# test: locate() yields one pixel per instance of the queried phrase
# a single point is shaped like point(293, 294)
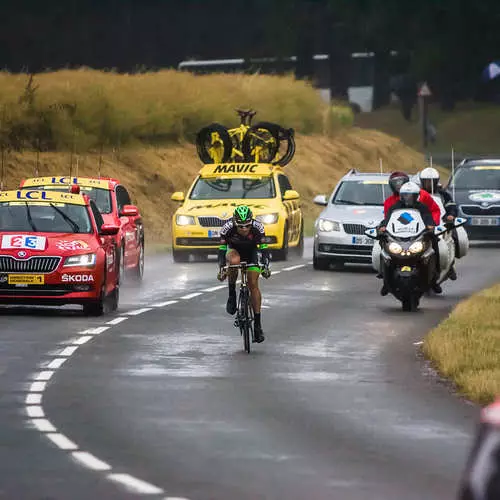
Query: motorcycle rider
point(409, 194)
point(429, 181)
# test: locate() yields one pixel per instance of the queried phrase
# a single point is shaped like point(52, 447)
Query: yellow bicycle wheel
point(214, 144)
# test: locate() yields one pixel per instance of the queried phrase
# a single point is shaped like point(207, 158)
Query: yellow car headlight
point(416, 247)
point(184, 220)
point(267, 218)
point(395, 248)
point(327, 226)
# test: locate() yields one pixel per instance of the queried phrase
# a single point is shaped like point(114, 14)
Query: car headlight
point(416, 247)
point(327, 226)
point(184, 220)
point(86, 260)
point(267, 218)
point(395, 248)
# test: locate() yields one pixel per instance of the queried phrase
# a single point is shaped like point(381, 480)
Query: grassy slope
point(154, 173)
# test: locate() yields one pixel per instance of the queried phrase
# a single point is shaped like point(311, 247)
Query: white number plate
point(214, 233)
point(484, 221)
point(362, 240)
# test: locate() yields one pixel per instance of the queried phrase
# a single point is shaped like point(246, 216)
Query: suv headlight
point(267, 218)
point(85, 260)
point(327, 226)
point(395, 248)
point(184, 220)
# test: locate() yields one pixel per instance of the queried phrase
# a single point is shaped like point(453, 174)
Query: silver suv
point(355, 204)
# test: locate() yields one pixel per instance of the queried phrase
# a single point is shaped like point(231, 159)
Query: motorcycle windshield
point(405, 224)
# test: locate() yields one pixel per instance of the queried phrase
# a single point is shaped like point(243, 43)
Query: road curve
point(334, 404)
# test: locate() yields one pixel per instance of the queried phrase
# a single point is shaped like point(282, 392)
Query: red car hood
point(24, 245)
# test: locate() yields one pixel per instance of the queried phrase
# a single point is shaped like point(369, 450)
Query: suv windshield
point(219, 189)
point(477, 177)
point(44, 217)
point(367, 192)
point(102, 197)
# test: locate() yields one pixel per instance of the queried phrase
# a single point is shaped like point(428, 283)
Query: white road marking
point(215, 288)
point(95, 331)
point(418, 343)
point(139, 311)
point(116, 321)
point(56, 363)
point(88, 460)
point(292, 268)
point(311, 262)
point(135, 485)
point(38, 386)
point(274, 273)
point(35, 411)
point(68, 351)
point(191, 296)
point(82, 340)
point(33, 399)
point(61, 441)
point(45, 375)
point(43, 425)
point(164, 304)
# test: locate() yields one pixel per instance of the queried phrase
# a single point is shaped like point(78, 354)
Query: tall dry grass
point(85, 109)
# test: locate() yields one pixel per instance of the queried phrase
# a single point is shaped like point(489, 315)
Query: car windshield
point(477, 177)
point(367, 192)
point(44, 217)
point(102, 197)
point(235, 188)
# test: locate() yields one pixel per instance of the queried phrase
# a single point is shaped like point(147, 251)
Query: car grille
point(9, 264)
point(354, 228)
point(477, 210)
point(211, 221)
point(357, 250)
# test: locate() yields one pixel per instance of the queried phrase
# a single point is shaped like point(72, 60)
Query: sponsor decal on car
point(489, 196)
point(17, 241)
point(72, 245)
point(77, 278)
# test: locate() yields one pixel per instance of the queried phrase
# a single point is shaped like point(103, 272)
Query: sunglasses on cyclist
point(244, 226)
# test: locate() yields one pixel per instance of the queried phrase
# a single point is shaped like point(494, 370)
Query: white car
point(355, 205)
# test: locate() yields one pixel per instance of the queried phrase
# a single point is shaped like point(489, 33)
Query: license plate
point(362, 240)
point(214, 233)
point(26, 279)
point(485, 221)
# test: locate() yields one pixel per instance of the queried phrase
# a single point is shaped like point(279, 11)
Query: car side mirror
point(290, 194)
point(321, 200)
point(178, 196)
point(129, 211)
point(109, 230)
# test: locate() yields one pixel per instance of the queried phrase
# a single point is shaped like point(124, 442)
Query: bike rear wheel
point(245, 320)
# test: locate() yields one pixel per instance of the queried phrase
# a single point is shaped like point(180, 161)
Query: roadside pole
point(424, 92)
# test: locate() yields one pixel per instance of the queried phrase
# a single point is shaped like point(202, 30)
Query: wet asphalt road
point(335, 404)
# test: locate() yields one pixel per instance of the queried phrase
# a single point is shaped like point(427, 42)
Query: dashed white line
point(215, 288)
point(136, 312)
point(191, 296)
point(45, 375)
point(43, 425)
point(135, 485)
point(274, 273)
point(292, 268)
point(82, 340)
point(68, 351)
point(95, 331)
point(88, 460)
point(35, 411)
point(56, 363)
point(38, 386)
point(61, 441)
point(33, 399)
point(164, 304)
point(116, 321)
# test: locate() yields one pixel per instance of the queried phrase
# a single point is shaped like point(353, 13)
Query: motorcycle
point(406, 253)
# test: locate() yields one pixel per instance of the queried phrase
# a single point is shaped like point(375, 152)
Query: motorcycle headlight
point(184, 220)
point(395, 248)
point(86, 260)
point(416, 247)
point(267, 218)
point(327, 226)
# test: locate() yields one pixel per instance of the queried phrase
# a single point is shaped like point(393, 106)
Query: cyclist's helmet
point(409, 193)
point(396, 180)
point(242, 215)
point(429, 179)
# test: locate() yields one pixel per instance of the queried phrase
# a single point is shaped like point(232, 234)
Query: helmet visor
point(409, 199)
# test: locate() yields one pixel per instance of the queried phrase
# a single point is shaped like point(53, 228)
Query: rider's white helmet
point(429, 179)
point(409, 193)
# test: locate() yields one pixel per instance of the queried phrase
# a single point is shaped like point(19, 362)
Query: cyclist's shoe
point(258, 334)
point(453, 273)
point(437, 288)
point(384, 290)
point(231, 305)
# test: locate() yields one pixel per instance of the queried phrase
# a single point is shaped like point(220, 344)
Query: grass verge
point(466, 346)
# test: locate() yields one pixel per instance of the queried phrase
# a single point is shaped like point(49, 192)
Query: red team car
point(113, 201)
point(55, 249)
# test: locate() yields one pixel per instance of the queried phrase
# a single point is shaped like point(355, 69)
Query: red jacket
point(424, 197)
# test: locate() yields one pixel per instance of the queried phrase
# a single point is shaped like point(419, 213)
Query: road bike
point(259, 143)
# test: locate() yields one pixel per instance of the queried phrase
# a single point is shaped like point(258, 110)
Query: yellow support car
point(214, 194)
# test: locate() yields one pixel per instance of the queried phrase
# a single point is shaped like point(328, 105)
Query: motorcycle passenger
point(398, 179)
point(429, 181)
point(242, 241)
point(409, 194)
